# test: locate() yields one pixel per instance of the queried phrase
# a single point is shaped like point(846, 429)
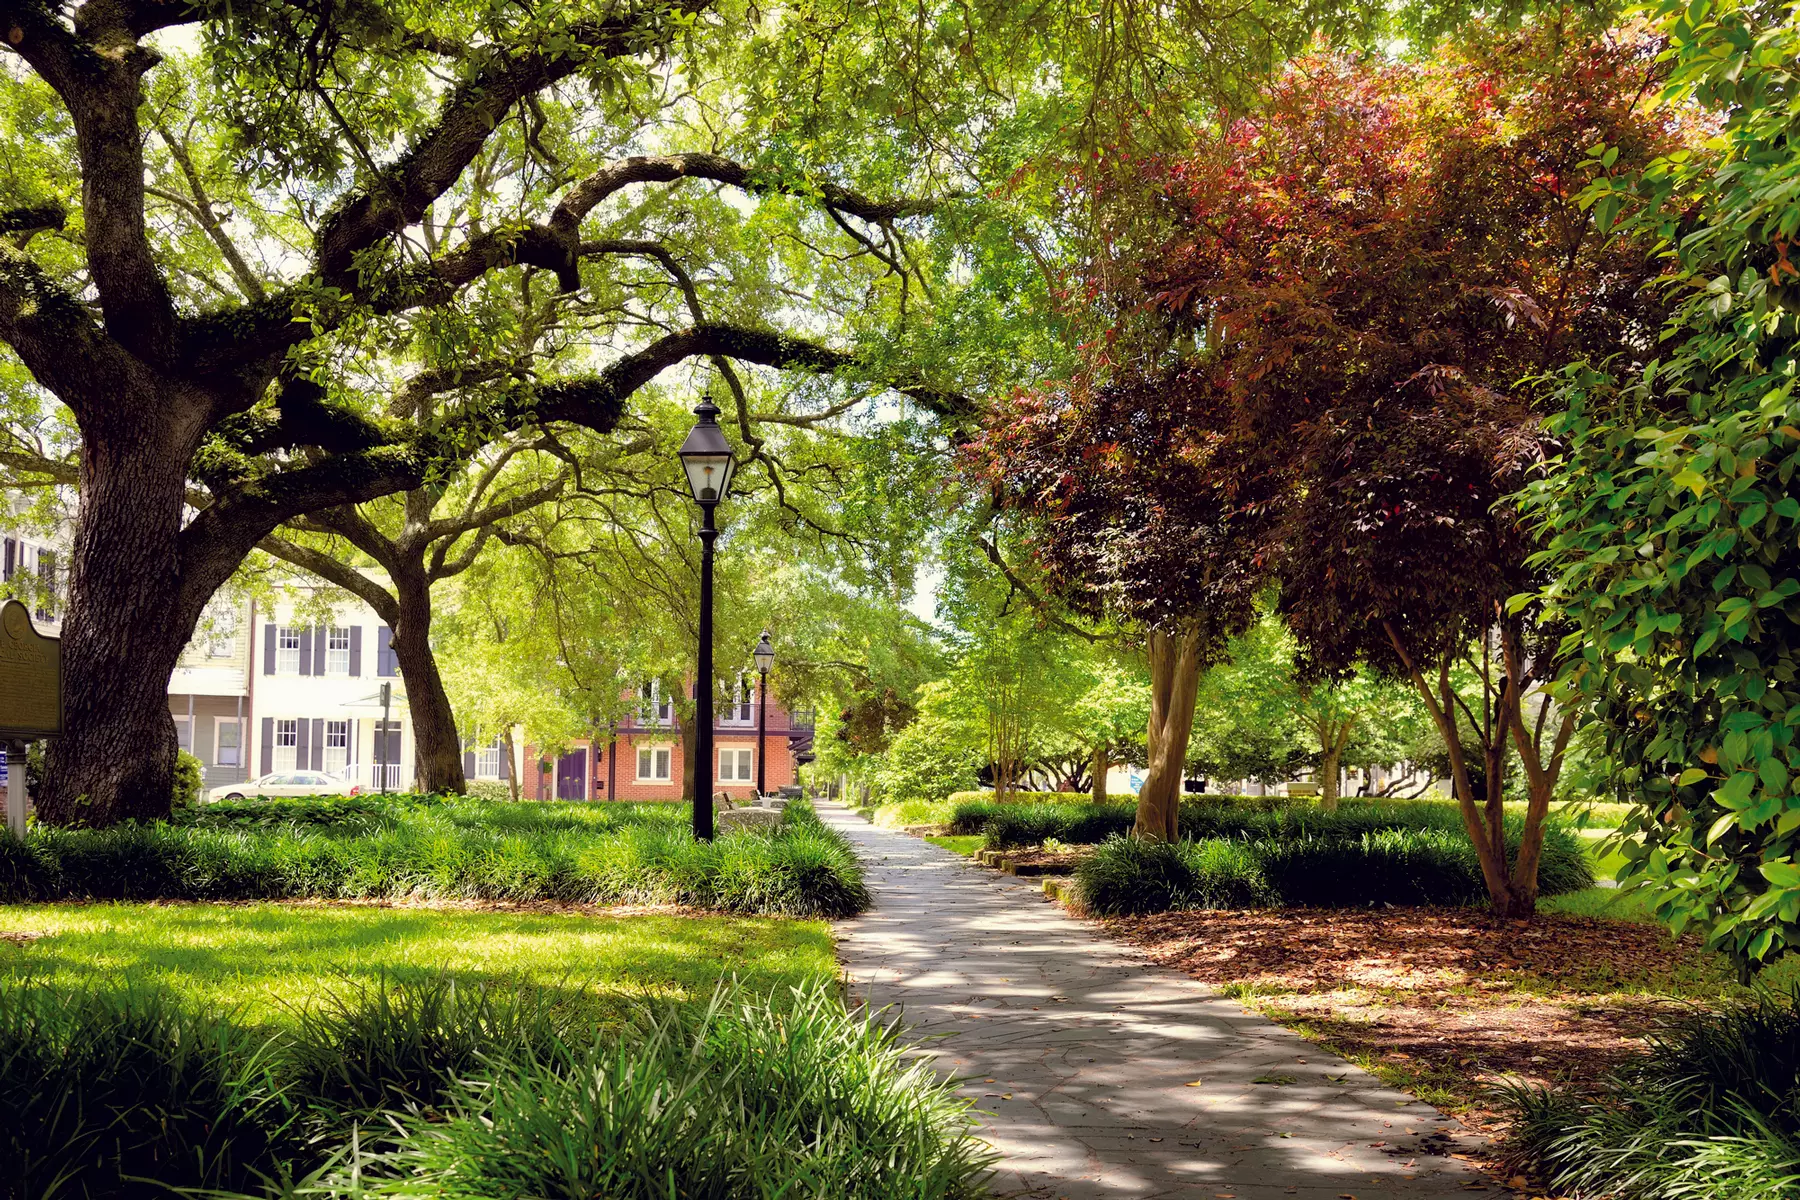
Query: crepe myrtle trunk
point(129, 615)
point(1102, 763)
point(1174, 689)
point(437, 745)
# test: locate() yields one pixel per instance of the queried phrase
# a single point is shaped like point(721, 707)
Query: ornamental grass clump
point(732, 1100)
point(1320, 866)
point(466, 850)
point(435, 1087)
point(1713, 1110)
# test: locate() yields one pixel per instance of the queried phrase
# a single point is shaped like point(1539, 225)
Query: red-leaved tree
point(1137, 509)
point(1378, 264)
point(1326, 317)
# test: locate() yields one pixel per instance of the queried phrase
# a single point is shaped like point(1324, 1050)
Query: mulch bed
point(1449, 1000)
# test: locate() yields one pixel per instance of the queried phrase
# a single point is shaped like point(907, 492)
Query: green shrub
point(1126, 876)
point(489, 789)
point(1273, 858)
point(1713, 1110)
point(431, 1087)
point(365, 847)
point(187, 780)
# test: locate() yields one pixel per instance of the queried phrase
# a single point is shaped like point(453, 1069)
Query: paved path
point(1084, 1056)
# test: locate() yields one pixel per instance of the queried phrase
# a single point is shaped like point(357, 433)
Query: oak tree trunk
point(437, 746)
point(1174, 689)
point(125, 627)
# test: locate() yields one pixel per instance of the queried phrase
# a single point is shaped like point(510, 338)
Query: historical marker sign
point(31, 694)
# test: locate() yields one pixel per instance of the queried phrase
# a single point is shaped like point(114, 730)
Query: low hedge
point(439, 1088)
point(624, 854)
point(1403, 866)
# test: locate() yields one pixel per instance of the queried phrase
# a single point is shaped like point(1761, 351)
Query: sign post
point(31, 699)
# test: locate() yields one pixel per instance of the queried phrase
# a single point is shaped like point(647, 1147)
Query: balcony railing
point(373, 777)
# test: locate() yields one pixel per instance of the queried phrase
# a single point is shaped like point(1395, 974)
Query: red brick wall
point(609, 782)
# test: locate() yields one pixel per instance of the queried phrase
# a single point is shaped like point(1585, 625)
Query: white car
point(285, 783)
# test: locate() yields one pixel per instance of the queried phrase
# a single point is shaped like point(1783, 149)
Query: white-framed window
point(228, 748)
point(287, 744)
point(653, 764)
point(221, 631)
point(287, 649)
point(490, 761)
point(657, 708)
point(337, 746)
point(337, 652)
point(736, 766)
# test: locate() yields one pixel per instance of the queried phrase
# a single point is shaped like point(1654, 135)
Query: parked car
point(285, 783)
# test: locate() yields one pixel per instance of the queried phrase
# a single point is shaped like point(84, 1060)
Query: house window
point(287, 741)
point(46, 570)
point(337, 651)
point(657, 708)
point(489, 761)
point(653, 764)
point(221, 632)
point(287, 650)
point(735, 766)
point(337, 744)
point(229, 752)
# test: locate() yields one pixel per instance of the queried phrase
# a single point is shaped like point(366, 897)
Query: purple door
point(571, 776)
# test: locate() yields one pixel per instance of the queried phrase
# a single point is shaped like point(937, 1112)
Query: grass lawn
point(965, 845)
point(265, 959)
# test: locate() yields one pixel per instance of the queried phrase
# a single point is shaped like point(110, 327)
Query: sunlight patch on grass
point(965, 845)
point(267, 959)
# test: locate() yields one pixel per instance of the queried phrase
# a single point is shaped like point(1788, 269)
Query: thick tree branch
point(333, 571)
point(400, 194)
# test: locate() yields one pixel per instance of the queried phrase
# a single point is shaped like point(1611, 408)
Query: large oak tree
point(204, 426)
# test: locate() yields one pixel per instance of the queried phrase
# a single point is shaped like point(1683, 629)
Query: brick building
point(640, 757)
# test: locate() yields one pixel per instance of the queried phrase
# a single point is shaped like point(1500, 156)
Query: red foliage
point(1345, 297)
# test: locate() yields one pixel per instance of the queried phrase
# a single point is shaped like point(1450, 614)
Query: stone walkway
point(1103, 1077)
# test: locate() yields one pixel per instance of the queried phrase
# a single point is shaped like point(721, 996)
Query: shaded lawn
point(265, 959)
point(963, 844)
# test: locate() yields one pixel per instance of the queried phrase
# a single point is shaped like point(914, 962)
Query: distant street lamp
point(764, 655)
point(706, 457)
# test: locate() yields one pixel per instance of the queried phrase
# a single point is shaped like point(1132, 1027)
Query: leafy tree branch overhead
point(225, 338)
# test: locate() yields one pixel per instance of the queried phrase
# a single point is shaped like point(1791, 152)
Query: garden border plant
point(475, 1091)
point(422, 848)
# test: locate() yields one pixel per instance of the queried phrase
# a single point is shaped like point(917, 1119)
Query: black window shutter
point(318, 744)
point(321, 639)
point(306, 641)
point(350, 747)
point(12, 556)
point(268, 743)
point(469, 761)
point(302, 745)
point(268, 654)
point(355, 651)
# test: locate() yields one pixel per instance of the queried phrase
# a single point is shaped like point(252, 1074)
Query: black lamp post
point(765, 658)
point(706, 457)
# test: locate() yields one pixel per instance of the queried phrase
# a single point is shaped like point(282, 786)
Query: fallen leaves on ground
point(1446, 1001)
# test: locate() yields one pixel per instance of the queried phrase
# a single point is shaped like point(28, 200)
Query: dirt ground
point(1445, 1002)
